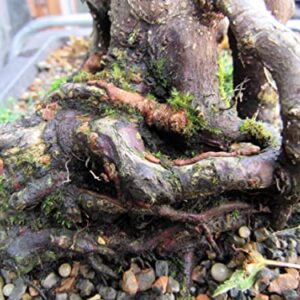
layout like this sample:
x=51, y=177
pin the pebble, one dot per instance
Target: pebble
x=64, y=270
x=222, y=297
x=166, y=297
x=63, y=296
x=135, y=268
x=173, y=286
x=100, y=240
x=266, y=275
x=74, y=297
x=26, y=296
x=161, y=284
x=276, y=297
x=199, y=274
x=261, y=297
x=86, y=287
x=50, y=281
x=272, y=242
x=238, y=241
x=161, y=268
x=129, y=283
x=283, y=244
x=107, y=293
x=261, y=234
x=8, y=289
x=244, y=232
x=145, y=279
x=272, y=253
x=284, y=282
x=220, y=272
x=290, y=295
x=292, y=244
x=292, y=256
x=123, y=296
x=18, y=290
x=95, y=297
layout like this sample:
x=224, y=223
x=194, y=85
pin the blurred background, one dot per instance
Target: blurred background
x=15, y=14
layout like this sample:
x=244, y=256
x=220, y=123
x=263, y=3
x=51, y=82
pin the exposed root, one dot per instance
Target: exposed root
x=162, y=115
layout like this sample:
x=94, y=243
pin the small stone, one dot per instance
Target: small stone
x=95, y=297
x=173, y=286
x=7, y=289
x=135, y=268
x=292, y=256
x=220, y=272
x=272, y=242
x=261, y=297
x=287, y=281
x=63, y=296
x=100, y=240
x=266, y=275
x=32, y=291
x=166, y=297
x=273, y=253
x=292, y=244
x=238, y=241
x=206, y=264
x=211, y=255
x=124, y=296
x=18, y=290
x=290, y=295
x=222, y=297
x=25, y=296
x=193, y=290
x=107, y=293
x=276, y=297
x=199, y=274
x=50, y=281
x=283, y=244
x=145, y=279
x=244, y=232
x=161, y=284
x=64, y=270
x=202, y=297
x=234, y=293
x=86, y=287
x=261, y=234
x=74, y=297
x=129, y=283
x=43, y=66
x=161, y=268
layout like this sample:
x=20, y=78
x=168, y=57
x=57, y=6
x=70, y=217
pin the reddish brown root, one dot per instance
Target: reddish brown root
x=161, y=115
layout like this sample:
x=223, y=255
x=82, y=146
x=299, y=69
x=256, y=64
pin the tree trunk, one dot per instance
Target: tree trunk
x=148, y=136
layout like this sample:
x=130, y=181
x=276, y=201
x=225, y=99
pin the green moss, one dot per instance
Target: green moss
x=257, y=130
x=56, y=84
x=225, y=76
x=196, y=122
x=158, y=71
x=52, y=207
x=81, y=77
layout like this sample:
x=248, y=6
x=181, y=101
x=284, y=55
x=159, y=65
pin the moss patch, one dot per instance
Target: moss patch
x=257, y=130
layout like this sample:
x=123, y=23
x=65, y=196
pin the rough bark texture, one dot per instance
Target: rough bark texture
x=260, y=34
x=259, y=94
